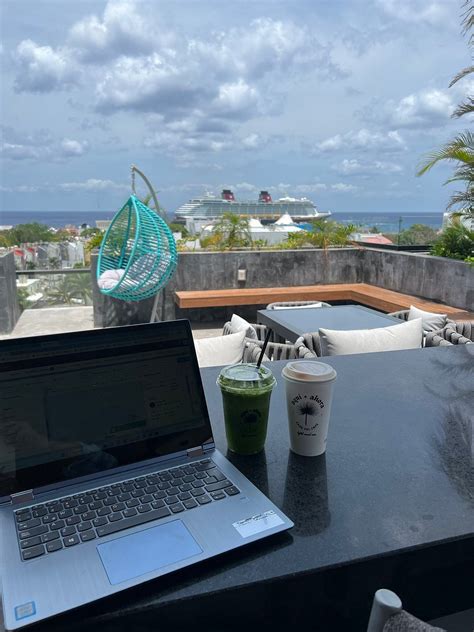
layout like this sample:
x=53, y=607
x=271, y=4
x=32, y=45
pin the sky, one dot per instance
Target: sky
x=336, y=100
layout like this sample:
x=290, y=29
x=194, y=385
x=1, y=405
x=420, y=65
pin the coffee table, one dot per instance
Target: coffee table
x=292, y=323
x=391, y=504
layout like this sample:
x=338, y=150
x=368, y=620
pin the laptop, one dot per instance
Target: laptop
x=109, y=476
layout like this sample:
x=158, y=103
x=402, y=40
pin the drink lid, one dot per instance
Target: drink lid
x=245, y=376
x=309, y=371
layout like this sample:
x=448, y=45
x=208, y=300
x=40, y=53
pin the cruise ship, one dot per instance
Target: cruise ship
x=265, y=209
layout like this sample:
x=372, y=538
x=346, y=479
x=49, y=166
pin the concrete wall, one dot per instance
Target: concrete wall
x=213, y=270
x=9, y=308
x=434, y=278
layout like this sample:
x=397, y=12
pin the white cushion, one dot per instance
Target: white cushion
x=299, y=306
x=430, y=321
x=404, y=336
x=220, y=350
x=237, y=323
x=109, y=279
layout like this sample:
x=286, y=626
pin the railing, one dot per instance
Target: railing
x=54, y=288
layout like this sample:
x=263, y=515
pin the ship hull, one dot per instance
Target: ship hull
x=266, y=212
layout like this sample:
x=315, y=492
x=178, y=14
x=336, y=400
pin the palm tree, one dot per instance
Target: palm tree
x=307, y=408
x=79, y=286
x=323, y=233
x=232, y=231
x=460, y=150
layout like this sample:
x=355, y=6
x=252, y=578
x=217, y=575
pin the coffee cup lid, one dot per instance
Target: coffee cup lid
x=309, y=371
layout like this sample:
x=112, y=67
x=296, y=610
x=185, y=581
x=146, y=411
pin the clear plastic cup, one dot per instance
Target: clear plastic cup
x=246, y=392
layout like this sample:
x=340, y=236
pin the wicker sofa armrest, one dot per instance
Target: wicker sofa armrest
x=308, y=346
x=455, y=333
x=260, y=329
x=274, y=351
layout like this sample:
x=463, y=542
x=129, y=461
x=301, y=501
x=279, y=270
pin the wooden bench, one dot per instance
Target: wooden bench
x=363, y=293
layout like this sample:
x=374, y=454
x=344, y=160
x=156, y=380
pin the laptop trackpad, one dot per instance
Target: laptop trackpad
x=148, y=550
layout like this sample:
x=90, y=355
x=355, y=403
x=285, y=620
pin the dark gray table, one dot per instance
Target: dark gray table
x=391, y=504
x=293, y=322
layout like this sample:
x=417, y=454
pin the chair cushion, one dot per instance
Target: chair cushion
x=109, y=279
x=220, y=349
x=403, y=336
x=430, y=321
x=405, y=622
x=237, y=323
x=298, y=306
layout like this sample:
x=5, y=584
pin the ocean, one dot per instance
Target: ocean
x=54, y=219
x=385, y=222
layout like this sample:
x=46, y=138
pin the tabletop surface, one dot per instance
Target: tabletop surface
x=294, y=322
x=397, y=474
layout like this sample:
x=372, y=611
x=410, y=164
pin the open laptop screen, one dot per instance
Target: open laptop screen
x=81, y=403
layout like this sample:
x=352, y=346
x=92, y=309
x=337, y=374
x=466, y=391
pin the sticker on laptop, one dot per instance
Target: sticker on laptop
x=25, y=610
x=257, y=524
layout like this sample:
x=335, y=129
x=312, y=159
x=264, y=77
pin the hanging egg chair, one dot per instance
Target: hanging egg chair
x=138, y=254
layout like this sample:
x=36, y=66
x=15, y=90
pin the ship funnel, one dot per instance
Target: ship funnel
x=227, y=195
x=264, y=196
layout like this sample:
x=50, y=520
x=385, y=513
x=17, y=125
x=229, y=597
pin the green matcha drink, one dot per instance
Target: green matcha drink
x=246, y=392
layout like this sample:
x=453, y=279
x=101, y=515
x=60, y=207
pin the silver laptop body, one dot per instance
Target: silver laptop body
x=109, y=476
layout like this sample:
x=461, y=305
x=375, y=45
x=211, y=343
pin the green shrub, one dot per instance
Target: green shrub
x=455, y=242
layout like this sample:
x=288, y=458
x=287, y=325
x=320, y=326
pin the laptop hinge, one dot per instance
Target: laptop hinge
x=195, y=451
x=22, y=497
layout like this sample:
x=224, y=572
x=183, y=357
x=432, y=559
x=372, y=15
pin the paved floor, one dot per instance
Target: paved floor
x=52, y=320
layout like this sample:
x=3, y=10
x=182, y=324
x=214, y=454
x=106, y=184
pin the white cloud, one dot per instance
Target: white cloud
x=252, y=141
x=71, y=147
x=355, y=167
x=246, y=186
x=22, y=188
x=428, y=108
x=236, y=98
x=121, y=31
x=198, y=88
x=363, y=139
x=93, y=184
x=180, y=144
x=341, y=187
x=310, y=188
x=39, y=145
x=16, y=151
x=42, y=69
x=431, y=12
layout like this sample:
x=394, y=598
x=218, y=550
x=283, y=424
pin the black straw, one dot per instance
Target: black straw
x=265, y=343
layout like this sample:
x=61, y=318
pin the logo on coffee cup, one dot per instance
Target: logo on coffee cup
x=308, y=408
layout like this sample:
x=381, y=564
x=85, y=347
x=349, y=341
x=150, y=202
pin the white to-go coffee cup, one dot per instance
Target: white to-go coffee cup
x=309, y=387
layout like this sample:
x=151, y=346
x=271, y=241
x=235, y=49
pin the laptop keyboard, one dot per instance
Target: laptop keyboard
x=69, y=521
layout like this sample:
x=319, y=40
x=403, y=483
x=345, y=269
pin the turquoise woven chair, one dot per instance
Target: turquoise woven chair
x=138, y=254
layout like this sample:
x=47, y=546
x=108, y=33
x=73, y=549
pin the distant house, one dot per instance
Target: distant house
x=371, y=238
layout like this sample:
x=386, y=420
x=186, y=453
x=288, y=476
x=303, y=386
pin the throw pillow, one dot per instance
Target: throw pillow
x=404, y=336
x=109, y=279
x=220, y=350
x=299, y=306
x=237, y=323
x=430, y=321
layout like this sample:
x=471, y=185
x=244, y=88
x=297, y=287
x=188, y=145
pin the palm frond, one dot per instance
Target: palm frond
x=464, y=199
x=465, y=173
x=468, y=18
x=461, y=149
x=463, y=73
x=466, y=107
